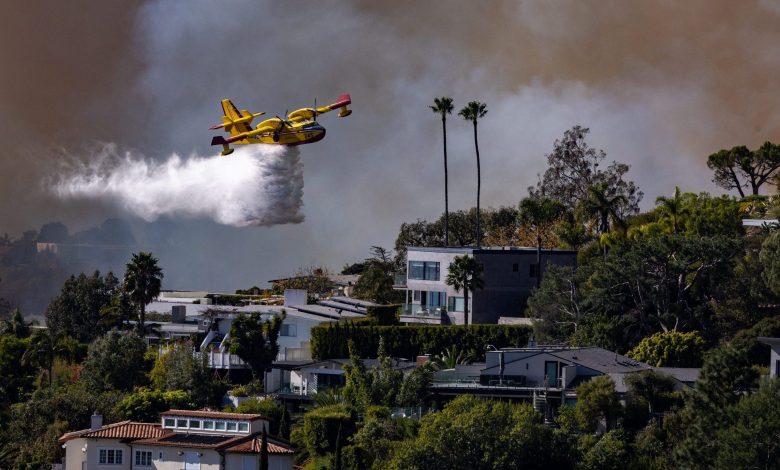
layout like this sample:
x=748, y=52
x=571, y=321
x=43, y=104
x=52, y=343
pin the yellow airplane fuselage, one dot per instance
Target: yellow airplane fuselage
x=272, y=131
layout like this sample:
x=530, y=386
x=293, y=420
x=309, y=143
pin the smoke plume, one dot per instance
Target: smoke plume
x=258, y=185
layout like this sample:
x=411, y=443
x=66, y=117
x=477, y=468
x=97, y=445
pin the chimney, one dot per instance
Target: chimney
x=178, y=314
x=97, y=421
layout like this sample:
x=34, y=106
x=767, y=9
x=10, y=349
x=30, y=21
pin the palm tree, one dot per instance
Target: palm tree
x=603, y=205
x=540, y=213
x=451, y=357
x=444, y=107
x=672, y=207
x=43, y=349
x=143, y=279
x=464, y=274
x=473, y=111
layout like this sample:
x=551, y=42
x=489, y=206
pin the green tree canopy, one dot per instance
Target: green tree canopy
x=464, y=274
x=670, y=349
x=596, y=401
x=76, y=311
x=115, y=361
x=254, y=340
x=740, y=168
x=143, y=281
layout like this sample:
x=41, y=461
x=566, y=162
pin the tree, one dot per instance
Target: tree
x=540, y=213
x=264, y=450
x=451, y=357
x=558, y=304
x=16, y=325
x=464, y=274
x=44, y=347
x=474, y=111
x=672, y=207
x=770, y=259
x=444, y=107
x=76, y=310
x=603, y=205
x=376, y=281
x=115, y=361
x=145, y=405
x=357, y=386
x=739, y=167
x=597, y=400
x=611, y=452
x=143, y=280
x=573, y=167
x=670, y=349
x=254, y=340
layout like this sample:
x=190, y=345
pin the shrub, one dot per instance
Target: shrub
x=670, y=349
x=330, y=340
x=267, y=408
x=323, y=426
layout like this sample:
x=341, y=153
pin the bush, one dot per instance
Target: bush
x=323, y=426
x=383, y=314
x=670, y=349
x=267, y=407
x=330, y=341
x=146, y=405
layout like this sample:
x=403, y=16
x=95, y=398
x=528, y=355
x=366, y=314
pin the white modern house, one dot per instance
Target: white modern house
x=509, y=275
x=183, y=440
x=774, y=355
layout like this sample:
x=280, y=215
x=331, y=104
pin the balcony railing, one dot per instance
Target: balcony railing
x=413, y=310
x=399, y=281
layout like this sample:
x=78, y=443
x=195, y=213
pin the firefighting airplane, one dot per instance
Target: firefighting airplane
x=300, y=127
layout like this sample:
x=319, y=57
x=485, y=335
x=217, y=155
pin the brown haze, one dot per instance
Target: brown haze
x=661, y=84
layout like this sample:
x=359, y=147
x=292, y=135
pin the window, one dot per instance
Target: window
x=424, y=270
x=415, y=296
x=455, y=304
x=219, y=425
x=436, y=299
x=143, y=458
x=243, y=427
x=110, y=456
x=181, y=423
x=195, y=424
x=515, y=267
x=170, y=423
x=208, y=425
x=288, y=330
x=231, y=426
x=533, y=270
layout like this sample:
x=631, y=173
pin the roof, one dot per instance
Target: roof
x=769, y=341
x=121, y=430
x=683, y=374
x=198, y=441
x=597, y=359
x=483, y=250
x=253, y=446
x=212, y=414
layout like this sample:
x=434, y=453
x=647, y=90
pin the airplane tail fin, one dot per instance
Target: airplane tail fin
x=342, y=103
x=234, y=121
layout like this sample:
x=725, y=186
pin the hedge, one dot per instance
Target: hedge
x=324, y=425
x=330, y=340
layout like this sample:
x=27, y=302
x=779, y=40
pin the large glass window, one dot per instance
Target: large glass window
x=170, y=422
x=143, y=458
x=288, y=330
x=424, y=270
x=243, y=427
x=455, y=304
x=436, y=299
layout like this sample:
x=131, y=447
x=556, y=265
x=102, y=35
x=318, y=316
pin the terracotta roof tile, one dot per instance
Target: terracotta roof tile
x=121, y=430
x=212, y=414
x=252, y=446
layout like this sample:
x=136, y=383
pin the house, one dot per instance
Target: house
x=509, y=275
x=547, y=376
x=301, y=379
x=774, y=355
x=183, y=440
x=209, y=325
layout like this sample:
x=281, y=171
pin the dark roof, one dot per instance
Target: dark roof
x=601, y=360
x=198, y=441
x=121, y=430
x=212, y=414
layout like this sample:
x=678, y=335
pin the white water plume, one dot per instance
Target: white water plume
x=259, y=185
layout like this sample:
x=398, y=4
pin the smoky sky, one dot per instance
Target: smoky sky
x=660, y=84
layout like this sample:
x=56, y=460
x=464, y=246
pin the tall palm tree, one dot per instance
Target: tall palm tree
x=464, y=274
x=143, y=280
x=473, y=111
x=539, y=214
x=603, y=205
x=444, y=107
x=672, y=207
x=43, y=349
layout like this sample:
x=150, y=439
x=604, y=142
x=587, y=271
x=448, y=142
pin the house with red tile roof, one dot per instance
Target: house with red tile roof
x=183, y=440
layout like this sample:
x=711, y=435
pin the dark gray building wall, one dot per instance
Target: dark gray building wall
x=506, y=291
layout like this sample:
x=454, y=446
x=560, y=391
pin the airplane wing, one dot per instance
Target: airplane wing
x=310, y=113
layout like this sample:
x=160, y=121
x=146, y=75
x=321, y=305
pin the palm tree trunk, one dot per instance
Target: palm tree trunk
x=446, y=192
x=479, y=184
x=142, y=319
x=604, y=222
x=465, y=305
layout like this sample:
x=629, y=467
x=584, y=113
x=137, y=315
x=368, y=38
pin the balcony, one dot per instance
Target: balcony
x=399, y=281
x=428, y=311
